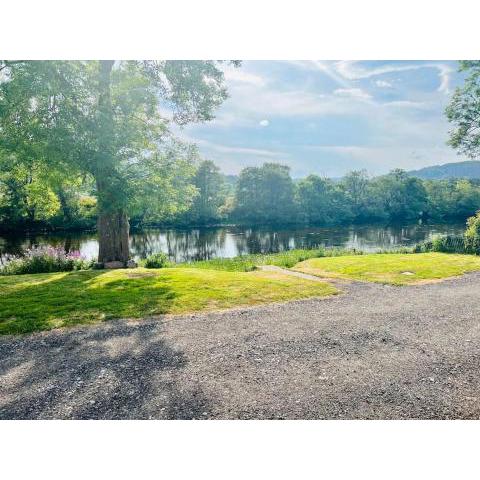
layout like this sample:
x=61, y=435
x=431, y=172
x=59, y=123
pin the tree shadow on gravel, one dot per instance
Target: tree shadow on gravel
x=120, y=371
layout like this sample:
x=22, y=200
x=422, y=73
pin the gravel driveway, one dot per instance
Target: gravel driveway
x=374, y=352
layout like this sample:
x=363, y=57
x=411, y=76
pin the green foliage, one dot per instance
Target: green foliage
x=265, y=195
x=452, y=199
x=357, y=194
x=400, y=196
x=163, y=186
x=103, y=119
x=87, y=207
x=176, y=189
x=442, y=243
x=157, y=260
x=464, y=112
x=210, y=186
x=41, y=200
x=26, y=191
x=322, y=202
x=472, y=235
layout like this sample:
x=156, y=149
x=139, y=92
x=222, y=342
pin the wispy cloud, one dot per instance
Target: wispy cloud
x=237, y=75
x=352, y=92
x=383, y=84
x=233, y=149
x=324, y=67
x=331, y=104
x=354, y=70
x=407, y=104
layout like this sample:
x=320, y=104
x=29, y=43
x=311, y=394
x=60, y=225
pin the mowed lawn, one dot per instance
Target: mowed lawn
x=395, y=269
x=43, y=301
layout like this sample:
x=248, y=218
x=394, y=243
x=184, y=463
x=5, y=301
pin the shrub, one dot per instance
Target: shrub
x=472, y=235
x=442, y=243
x=45, y=259
x=157, y=260
x=423, y=247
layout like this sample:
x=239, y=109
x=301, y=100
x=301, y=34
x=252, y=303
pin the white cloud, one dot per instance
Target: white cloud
x=322, y=66
x=238, y=75
x=352, y=70
x=231, y=149
x=352, y=92
x=444, y=74
x=247, y=104
x=391, y=130
x=407, y=104
x=383, y=84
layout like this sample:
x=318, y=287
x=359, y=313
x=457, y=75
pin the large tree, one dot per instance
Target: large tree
x=402, y=197
x=210, y=185
x=265, y=194
x=104, y=118
x=464, y=112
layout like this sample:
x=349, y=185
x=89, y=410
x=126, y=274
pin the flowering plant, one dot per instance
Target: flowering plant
x=44, y=259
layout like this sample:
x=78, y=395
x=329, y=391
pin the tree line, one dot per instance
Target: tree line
x=33, y=198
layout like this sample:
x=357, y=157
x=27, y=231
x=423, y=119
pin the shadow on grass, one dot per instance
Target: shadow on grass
x=42, y=302
x=119, y=371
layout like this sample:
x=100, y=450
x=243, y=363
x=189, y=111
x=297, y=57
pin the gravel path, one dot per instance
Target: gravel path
x=374, y=352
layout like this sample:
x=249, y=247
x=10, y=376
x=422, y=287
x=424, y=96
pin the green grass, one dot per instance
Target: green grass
x=388, y=268
x=248, y=263
x=43, y=301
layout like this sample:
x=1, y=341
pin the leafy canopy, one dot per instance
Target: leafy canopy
x=464, y=111
x=71, y=117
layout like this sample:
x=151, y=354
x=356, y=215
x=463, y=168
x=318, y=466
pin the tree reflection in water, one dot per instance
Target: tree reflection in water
x=205, y=243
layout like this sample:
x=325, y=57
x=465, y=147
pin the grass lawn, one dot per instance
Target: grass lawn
x=43, y=301
x=395, y=269
x=247, y=263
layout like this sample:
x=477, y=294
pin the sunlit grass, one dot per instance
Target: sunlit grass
x=39, y=302
x=398, y=269
x=247, y=263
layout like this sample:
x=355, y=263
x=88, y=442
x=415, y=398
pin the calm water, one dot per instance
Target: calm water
x=199, y=244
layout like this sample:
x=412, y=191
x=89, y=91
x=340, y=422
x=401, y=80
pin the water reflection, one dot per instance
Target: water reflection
x=206, y=243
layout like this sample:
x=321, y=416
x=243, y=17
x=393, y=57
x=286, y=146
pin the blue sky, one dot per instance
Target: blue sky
x=329, y=117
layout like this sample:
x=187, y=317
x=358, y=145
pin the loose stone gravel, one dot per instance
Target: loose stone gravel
x=374, y=352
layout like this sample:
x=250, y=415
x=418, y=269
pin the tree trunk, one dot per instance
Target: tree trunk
x=67, y=214
x=113, y=232
x=112, y=224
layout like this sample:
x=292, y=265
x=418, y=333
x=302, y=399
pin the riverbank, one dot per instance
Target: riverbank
x=37, y=302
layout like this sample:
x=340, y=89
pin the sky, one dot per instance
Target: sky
x=330, y=117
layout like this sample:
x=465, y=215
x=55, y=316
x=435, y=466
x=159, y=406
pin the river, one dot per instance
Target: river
x=204, y=243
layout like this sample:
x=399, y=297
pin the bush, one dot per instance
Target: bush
x=472, y=235
x=442, y=243
x=44, y=259
x=157, y=260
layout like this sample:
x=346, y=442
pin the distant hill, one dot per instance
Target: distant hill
x=469, y=169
